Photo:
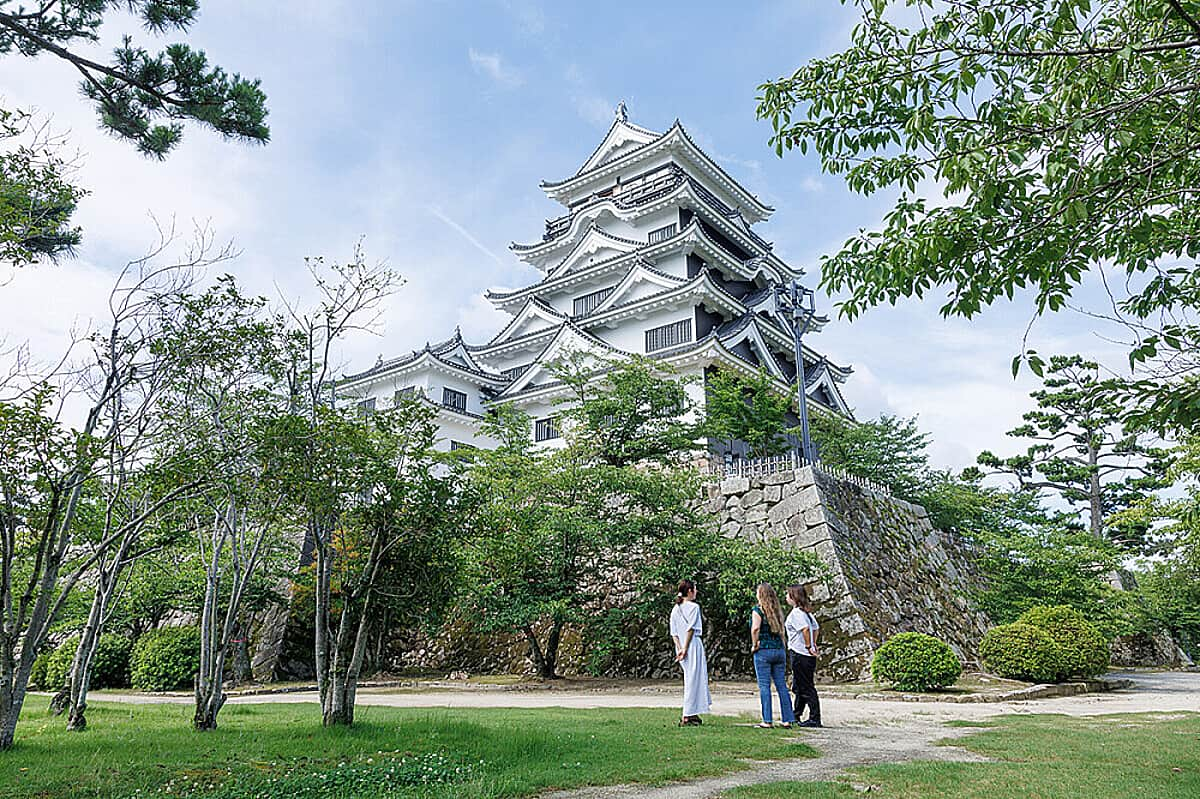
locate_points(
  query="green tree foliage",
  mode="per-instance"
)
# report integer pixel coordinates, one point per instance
(888, 450)
(1169, 585)
(1169, 593)
(915, 662)
(36, 197)
(139, 96)
(559, 530)
(58, 665)
(747, 409)
(1061, 134)
(631, 410)
(1030, 555)
(1082, 451)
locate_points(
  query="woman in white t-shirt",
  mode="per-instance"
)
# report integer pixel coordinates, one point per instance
(802, 632)
(687, 629)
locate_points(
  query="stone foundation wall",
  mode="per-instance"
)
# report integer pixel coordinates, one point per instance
(891, 571)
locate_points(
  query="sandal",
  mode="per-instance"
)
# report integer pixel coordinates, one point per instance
(764, 726)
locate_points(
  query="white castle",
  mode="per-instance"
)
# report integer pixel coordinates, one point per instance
(655, 256)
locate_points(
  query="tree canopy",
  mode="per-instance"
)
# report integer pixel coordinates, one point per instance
(1081, 450)
(1060, 134)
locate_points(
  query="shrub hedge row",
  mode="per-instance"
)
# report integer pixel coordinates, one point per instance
(161, 660)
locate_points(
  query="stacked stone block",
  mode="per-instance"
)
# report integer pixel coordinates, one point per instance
(890, 570)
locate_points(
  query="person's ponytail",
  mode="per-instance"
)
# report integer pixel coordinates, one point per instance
(685, 587)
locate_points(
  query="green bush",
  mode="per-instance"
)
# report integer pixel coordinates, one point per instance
(1020, 651)
(110, 663)
(37, 675)
(1084, 649)
(58, 665)
(916, 662)
(165, 659)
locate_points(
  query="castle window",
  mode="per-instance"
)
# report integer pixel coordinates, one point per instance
(660, 338)
(404, 394)
(454, 399)
(589, 302)
(662, 233)
(366, 407)
(457, 445)
(545, 429)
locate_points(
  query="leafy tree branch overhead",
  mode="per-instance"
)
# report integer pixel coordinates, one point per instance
(1063, 133)
(139, 96)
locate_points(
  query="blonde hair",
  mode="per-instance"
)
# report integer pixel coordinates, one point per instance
(768, 602)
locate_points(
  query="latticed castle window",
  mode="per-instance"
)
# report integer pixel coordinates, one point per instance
(674, 334)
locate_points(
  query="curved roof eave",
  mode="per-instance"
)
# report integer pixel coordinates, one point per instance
(676, 133)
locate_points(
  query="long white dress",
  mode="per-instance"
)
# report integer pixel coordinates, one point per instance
(696, 697)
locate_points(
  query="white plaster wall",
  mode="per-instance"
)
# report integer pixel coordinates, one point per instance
(457, 429)
(427, 381)
(630, 335)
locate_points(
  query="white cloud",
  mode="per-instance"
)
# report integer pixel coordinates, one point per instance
(593, 108)
(493, 66)
(812, 185)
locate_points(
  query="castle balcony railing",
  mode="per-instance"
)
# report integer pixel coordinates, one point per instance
(640, 190)
(789, 462)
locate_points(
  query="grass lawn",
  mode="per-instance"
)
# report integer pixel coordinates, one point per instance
(1048, 757)
(282, 751)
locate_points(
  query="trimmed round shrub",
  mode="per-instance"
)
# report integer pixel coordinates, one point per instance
(110, 663)
(165, 659)
(1084, 649)
(916, 662)
(58, 665)
(1022, 652)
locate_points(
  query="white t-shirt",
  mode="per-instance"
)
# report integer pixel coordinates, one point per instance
(797, 622)
(686, 616)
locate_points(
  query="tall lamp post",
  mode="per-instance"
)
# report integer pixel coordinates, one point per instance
(799, 305)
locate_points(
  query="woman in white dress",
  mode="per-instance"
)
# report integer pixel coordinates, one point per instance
(687, 630)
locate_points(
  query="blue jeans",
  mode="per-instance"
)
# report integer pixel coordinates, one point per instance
(770, 666)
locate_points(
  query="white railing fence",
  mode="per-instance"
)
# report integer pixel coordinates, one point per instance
(773, 464)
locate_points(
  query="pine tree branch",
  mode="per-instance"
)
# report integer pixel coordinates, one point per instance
(85, 66)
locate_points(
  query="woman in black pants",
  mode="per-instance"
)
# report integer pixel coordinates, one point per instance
(802, 631)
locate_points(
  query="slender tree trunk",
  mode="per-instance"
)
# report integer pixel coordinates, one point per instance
(335, 710)
(1095, 492)
(550, 656)
(321, 652)
(89, 639)
(81, 667)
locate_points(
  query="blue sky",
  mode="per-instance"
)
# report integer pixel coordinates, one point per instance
(424, 128)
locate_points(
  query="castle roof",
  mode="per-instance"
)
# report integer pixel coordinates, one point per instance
(626, 145)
